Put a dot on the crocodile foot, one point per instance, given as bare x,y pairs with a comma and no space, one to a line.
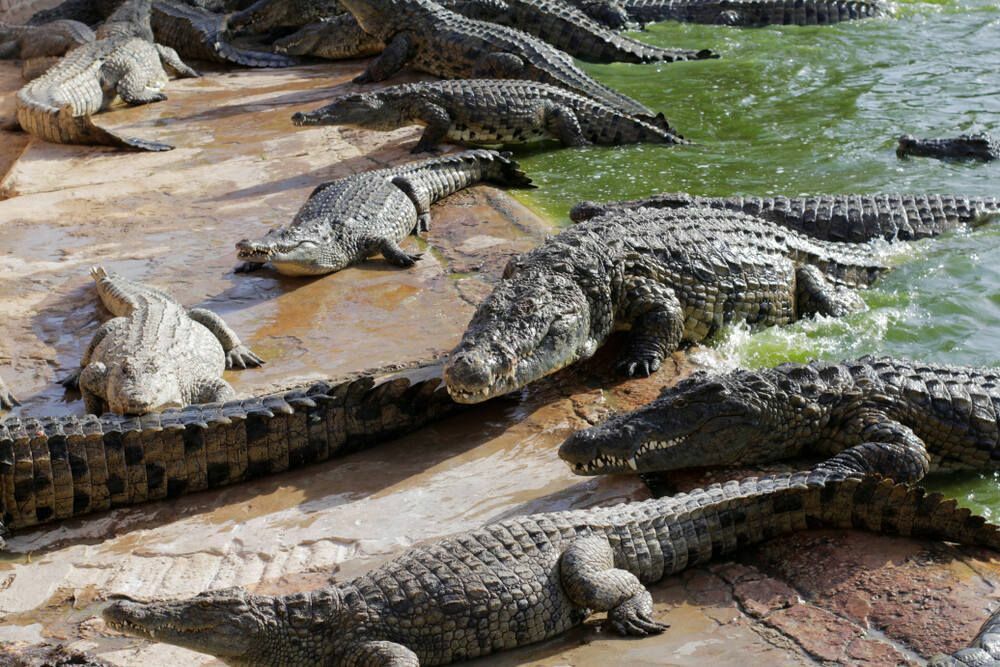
242,356
634,617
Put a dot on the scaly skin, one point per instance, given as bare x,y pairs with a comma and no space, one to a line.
42,41
155,354
202,35
266,15
982,147
531,578
851,218
54,468
123,63
7,399
940,417
745,13
336,38
350,219
671,276
491,111
432,39
984,651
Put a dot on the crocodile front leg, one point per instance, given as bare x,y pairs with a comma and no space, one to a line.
815,295
591,581
395,55
380,654
72,381
888,448
172,61
238,355
657,321
93,384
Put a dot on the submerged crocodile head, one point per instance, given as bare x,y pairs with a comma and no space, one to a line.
530,326
373,111
965,147
139,386
294,256
241,628
738,418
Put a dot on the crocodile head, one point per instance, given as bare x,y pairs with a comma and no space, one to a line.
373,111
531,325
376,16
138,386
965,147
241,628
292,256
737,418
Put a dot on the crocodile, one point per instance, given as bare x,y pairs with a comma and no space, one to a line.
265,16
531,578
672,276
202,35
42,41
350,219
491,111
980,146
54,468
850,218
745,13
435,40
122,63
335,38
945,418
7,398
154,353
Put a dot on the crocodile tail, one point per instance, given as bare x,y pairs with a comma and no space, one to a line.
506,171
662,130
62,127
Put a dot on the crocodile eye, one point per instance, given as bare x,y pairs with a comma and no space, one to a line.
680,402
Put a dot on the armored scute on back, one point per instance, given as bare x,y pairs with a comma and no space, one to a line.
934,417
671,276
350,219
744,13
982,147
531,578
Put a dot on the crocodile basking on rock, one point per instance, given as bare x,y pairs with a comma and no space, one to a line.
981,146
490,112
746,13
531,578
672,276
942,417
851,218
7,399
155,354
348,220
54,468
123,63
432,39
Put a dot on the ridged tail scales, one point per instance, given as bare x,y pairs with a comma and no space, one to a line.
57,467
755,13
63,127
431,180
646,128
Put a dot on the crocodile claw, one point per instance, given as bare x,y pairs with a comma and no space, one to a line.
634,617
242,357
639,367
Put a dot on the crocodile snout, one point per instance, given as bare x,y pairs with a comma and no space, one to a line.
579,448
467,376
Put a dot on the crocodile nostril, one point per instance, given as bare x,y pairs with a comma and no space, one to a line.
581,447
468,371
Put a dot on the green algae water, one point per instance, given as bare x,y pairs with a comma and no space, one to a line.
815,110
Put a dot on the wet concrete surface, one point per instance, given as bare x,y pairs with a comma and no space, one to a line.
240,168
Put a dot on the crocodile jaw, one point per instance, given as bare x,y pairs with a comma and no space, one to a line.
304,258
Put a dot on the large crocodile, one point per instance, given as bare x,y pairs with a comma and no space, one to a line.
746,13
531,578
123,63
981,146
432,39
54,468
852,218
490,112
350,219
944,418
7,398
155,354
672,276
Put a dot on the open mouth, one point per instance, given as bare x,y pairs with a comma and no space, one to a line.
254,253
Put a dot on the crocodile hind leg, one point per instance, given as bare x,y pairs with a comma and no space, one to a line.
172,61
238,355
396,255
392,59
421,198
438,121
381,654
564,125
591,581
657,321
888,448
816,295
499,66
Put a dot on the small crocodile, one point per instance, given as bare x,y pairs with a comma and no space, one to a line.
42,41
746,13
851,218
54,468
531,578
123,62
265,16
350,219
155,354
943,418
7,399
981,146
672,276
433,39
490,112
